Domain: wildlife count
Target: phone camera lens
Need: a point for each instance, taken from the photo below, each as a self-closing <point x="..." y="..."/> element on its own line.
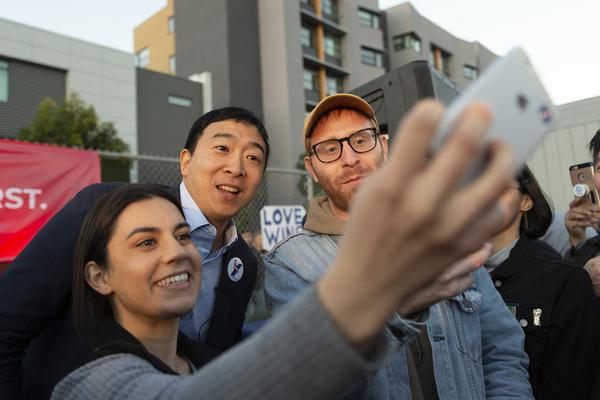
<point x="522" y="102"/>
<point x="581" y="176"/>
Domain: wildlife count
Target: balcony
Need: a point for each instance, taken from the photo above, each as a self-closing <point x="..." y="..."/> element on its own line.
<point x="311" y="96"/>
<point x="311" y="51"/>
<point x="307" y="6"/>
<point x="330" y="25"/>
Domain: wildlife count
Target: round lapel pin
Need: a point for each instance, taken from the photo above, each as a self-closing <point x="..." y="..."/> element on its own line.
<point x="235" y="269"/>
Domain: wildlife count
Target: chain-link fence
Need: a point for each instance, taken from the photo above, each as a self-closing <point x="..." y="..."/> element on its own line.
<point x="279" y="187"/>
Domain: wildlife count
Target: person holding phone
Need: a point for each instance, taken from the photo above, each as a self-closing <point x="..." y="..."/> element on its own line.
<point x="470" y="330"/>
<point x="136" y="259"/>
<point x="553" y="301"/>
<point x="586" y="252"/>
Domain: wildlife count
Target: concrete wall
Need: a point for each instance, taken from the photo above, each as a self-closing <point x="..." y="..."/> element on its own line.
<point x="404" y="18"/>
<point x="566" y="146"/>
<point x="28" y="85"/>
<point x="281" y="68"/>
<point x="201" y="44"/>
<point x="244" y="55"/>
<point x="103" y="77"/>
<point x="163" y="127"/>
<point x="357" y="36"/>
<point x="221" y="36"/>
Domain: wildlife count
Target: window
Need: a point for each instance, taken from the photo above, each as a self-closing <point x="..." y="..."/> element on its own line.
<point x="407" y="41"/>
<point x="179" y="101"/>
<point x="440" y="59"/>
<point x="172" y="63"/>
<point x="142" y="58"/>
<point x="3" y="81"/>
<point x="470" y="72"/>
<point x="307" y="5"/>
<point x="311" y="80"/>
<point x="368" y="18"/>
<point x="307" y="36"/>
<point x="329" y="9"/>
<point x="334" y="85"/>
<point x="171" y="24"/>
<point x="332" y="46"/>
<point x="371" y="57"/>
<point x="308" y="108"/>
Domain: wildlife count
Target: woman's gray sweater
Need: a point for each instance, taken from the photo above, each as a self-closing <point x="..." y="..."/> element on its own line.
<point x="300" y="354"/>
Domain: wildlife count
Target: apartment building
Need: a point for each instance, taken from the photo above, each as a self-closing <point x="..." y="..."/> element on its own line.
<point x="35" y="64"/>
<point x="276" y="58"/>
<point x="413" y="37"/>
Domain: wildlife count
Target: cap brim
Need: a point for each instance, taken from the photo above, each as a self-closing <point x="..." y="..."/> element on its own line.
<point x="333" y="102"/>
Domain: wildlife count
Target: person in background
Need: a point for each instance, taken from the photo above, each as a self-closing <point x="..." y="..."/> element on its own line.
<point x="472" y="330"/>
<point x="553" y="301"/>
<point x="585" y="252"/>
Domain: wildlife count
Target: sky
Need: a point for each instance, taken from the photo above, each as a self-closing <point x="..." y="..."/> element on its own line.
<point x="561" y="37"/>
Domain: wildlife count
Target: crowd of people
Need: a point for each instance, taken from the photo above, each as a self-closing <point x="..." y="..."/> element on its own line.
<point x="404" y="283"/>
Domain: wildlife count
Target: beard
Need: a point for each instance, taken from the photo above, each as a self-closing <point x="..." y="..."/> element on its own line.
<point x="340" y="199"/>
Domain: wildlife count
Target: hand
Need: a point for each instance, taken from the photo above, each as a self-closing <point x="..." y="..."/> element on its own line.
<point x="451" y="282"/>
<point x="410" y="221"/>
<point x="593" y="269"/>
<point x="577" y="219"/>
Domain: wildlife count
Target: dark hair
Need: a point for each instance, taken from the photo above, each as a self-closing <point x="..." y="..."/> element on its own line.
<point x="237" y="114"/>
<point x="594" y="146"/>
<point x="90" y="308"/>
<point x="536" y="221"/>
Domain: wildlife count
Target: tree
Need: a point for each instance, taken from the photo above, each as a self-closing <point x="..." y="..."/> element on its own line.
<point x="72" y="124"/>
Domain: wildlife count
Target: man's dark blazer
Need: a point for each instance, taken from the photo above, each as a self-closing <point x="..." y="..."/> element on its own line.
<point x="38" y="343"/>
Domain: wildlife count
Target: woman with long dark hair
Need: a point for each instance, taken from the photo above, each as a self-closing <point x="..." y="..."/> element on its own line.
<point x="553" y="301"/>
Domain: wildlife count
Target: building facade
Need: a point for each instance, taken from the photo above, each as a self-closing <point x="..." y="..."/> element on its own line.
<point x="565" y="146"/>
<point x="276" y="58"/>
<point x="410" y="37"/>
<point x="35" y="64"/>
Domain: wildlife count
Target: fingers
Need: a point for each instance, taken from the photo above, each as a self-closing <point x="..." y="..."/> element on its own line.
<point x="413" y="139"/>
<point x="470" y="263"/>
<point x="476" y="200"/>
<point x="576" y="202"/>
<point x="457" y="154"/>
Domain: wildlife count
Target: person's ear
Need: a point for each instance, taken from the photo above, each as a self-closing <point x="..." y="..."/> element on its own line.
<point x="384" y="140"/>
<point x="184" y="162"/>
<point x="526" y="203"/>
<point x="310" y="169"/>
<point x="98" y="278"/>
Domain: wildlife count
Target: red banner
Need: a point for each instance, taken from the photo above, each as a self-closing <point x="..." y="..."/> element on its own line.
<point x="36" y="180"/>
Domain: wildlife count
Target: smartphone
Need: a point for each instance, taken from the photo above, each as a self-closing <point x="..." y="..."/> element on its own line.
<point x="582" y="178"/>
<point x="523" y="111"/>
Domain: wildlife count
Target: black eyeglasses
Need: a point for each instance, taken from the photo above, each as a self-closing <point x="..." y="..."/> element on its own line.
<point x="360" y="141"/>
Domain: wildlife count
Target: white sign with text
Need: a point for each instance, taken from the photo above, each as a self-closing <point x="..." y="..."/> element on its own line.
<point x="279" y="222"/>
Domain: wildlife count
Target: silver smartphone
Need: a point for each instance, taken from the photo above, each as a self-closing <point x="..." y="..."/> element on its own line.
<point x="523" y="111"/>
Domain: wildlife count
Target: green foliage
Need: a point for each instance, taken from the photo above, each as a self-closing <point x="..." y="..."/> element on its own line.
<point x="72" y="124"/>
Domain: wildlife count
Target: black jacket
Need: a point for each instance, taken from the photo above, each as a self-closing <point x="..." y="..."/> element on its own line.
<point x="589" y="249"/>
<point x="556" y="306"/>
<point x="38" y="344"/>
<point x="112" y="338"/>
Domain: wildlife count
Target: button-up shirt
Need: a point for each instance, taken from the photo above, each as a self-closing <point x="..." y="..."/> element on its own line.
<point x="195" y="325"/>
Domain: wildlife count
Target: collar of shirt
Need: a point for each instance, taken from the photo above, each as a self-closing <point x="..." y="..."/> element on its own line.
<point x="203" y="232"/>
<point x="500" y="256"/>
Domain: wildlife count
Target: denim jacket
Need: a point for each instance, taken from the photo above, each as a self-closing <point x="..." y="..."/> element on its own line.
<point x="477" y="343"/>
